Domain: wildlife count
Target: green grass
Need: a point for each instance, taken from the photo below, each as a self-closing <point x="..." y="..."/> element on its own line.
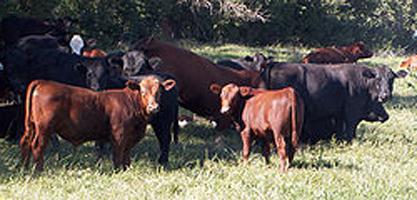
<point x="380" y="164"/>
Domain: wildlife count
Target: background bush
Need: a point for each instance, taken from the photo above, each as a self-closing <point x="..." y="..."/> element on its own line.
<point x="383" y="24"/>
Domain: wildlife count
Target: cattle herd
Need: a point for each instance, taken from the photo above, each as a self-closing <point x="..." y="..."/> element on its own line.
<point x="85" y="94"/>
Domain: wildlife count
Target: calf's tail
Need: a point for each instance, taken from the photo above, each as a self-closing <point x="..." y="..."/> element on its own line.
<point x="297" y="117"/>
<point x="29" y="133"/>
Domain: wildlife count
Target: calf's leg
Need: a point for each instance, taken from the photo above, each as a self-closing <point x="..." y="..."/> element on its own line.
<point x="245" y="135"/>
<point x="281" y="148"/>
<point x="266" y="150"/>
<point x="25" y="146"/>
<point x="39" y="143"/>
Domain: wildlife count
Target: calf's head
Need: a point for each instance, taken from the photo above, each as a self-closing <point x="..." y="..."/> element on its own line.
<point x="231" y="96"/>
<point x="149" y="89"/>
<point x="380" y="81"/>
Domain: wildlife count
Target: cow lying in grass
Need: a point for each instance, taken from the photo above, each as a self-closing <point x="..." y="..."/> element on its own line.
<point x="335" y="55"/>
<point x="79" y="115"/>
<point x="268" y="115"/>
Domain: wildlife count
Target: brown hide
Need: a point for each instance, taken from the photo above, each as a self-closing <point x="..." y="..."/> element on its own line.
<point x="334" y="55"/>
<point x="194" y="75"/>
<point x="275" y="116"/>
<point x="79" y="115"/>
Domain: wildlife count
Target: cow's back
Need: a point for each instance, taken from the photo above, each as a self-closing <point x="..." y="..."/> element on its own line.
<point x="324" y="88"/>
<point x="194" y="75"/>
<point x="268" y="108"/>
<point x="66" y="109"/>
<point x="13" y="27"/>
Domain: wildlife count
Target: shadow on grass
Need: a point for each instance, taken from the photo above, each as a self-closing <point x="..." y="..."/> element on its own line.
<point x="403" y="102"/>
<point x="322" y="163"/>
<point x="198" y="144"/>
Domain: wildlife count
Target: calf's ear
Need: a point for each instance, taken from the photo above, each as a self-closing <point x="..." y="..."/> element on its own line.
<point x="245" y="91"/>
<point x="401" y="74"/>
<point x="369" y="73"/>
<point x="133" y="85"/>
<point x="215" y="88"/>
<point x="168" y="84"/>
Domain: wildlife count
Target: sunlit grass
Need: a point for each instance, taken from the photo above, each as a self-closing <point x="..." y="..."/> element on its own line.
<point x="379" y="164"/>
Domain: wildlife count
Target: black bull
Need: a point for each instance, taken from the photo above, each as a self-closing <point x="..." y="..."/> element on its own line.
<point x="337" y="97"/>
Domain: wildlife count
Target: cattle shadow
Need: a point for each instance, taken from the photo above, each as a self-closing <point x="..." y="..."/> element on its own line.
<point x="402" y="102"/>
<point x="198" y="144"/>
<point x="322" y="163"/>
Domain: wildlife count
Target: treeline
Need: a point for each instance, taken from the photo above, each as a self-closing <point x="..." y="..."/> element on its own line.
<point x="380" y="23"/>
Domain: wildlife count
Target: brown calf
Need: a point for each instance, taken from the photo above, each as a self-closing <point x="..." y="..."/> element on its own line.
<point x="334" y="55"/>
<point x="268" y="115"/>
<point x="79" y="115"/>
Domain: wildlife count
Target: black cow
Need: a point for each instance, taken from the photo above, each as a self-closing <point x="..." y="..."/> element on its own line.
<point x="337" y="97"/>
<point x="28" y="61"/>
<point x="50" y="64"/>
<point x="254" y="63"/>
<point x="12" y="28"/>
<point x="134" y="65"/>
<point x="6" y="93"/>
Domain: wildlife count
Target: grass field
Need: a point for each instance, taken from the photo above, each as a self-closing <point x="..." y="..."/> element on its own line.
<point x="380" y="164"/>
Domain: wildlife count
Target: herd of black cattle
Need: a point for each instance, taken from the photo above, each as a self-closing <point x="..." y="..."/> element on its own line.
<point x="337" y="97"/>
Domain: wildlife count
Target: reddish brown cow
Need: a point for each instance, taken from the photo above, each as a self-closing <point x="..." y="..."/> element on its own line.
<point x="194" y="75"/>
<point x="334" y="55"/>
<point x="94" y="53"/>
<point x="80" y="115"/>
<point x="268" y="115"/>
<point x="410" y="63"/>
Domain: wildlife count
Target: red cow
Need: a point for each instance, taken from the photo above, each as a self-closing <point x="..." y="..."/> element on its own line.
<point x="410" y="63"/>
<point x="334" y="55"/>
<point x="194" y="75"/>
<point x="267" y="114"/>
<point x="94" y="53"/>
<point x="79" y="115"/>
